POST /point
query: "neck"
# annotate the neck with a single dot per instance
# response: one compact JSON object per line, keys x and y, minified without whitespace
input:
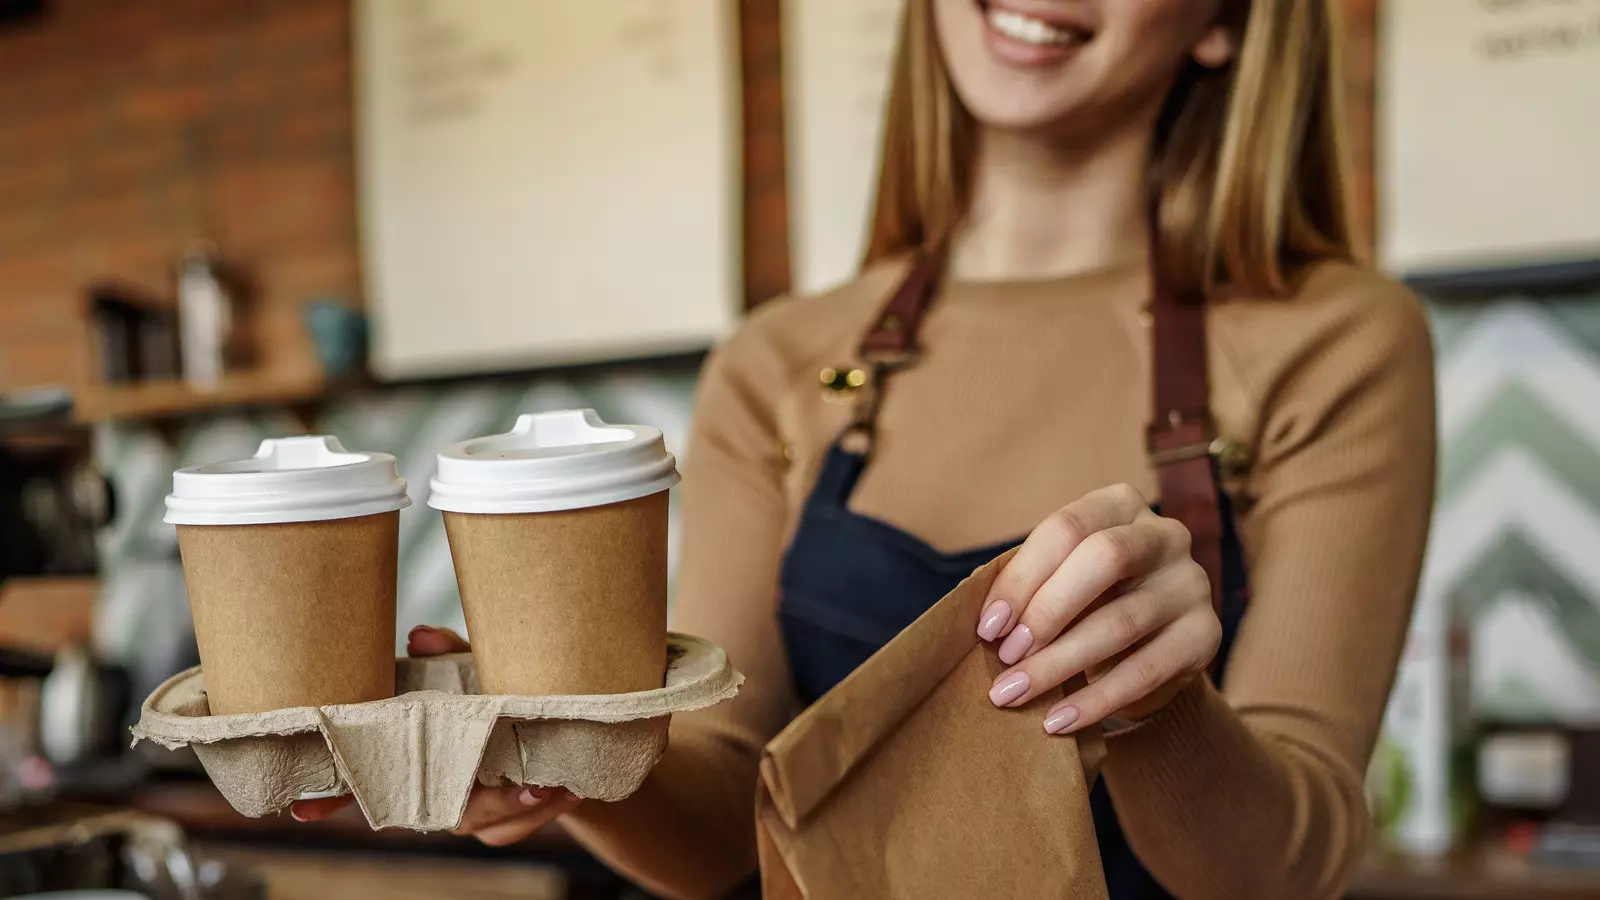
{"x":1044,"y":209}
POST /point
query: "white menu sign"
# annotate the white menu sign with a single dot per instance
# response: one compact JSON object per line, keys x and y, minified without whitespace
{"x":1489,"y":130}
{"x":546,"y":183}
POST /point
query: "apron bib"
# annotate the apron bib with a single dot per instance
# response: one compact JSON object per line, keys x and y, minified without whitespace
{"x":850,"y":583}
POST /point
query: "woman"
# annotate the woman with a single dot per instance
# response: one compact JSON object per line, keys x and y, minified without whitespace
{"x":1050,"y":170}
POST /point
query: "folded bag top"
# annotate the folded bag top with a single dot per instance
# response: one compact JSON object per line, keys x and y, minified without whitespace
{"x":905,"y":781}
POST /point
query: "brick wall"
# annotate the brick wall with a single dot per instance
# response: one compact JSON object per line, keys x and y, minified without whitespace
{"x":128,"y":128}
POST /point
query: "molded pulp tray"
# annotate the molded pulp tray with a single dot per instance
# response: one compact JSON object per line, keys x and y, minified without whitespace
{"x":411,"y":760}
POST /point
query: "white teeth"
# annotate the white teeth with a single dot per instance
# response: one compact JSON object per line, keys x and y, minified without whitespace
{"x":1028,"y":29}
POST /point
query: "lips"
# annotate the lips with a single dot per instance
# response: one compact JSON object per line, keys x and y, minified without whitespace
{"x":1026,"y":35}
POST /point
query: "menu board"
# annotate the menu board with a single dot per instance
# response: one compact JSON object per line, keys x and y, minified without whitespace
{"x":1489,"y":135}
{"x":546,"y":183}
{"x":837,"y":58}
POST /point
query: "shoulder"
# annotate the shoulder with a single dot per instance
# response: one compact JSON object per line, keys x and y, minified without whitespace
{"x":1345,"y":296}
{"x":1339,"y":320}
{"x":789,"y":334}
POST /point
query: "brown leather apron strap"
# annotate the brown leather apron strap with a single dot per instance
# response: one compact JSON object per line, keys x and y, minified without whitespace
{"x":1181,"y":430}
{"x":893,"y":335}
{"x":891,"y":343}
{"x":1180,"y":434}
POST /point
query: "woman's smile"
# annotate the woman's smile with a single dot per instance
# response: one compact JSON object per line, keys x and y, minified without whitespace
{"x":1025,"y":35}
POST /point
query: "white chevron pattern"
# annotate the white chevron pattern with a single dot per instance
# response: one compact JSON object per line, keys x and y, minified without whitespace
{"x":1512,"y":490}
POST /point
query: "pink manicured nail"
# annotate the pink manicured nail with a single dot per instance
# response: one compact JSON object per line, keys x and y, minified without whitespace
{"x":994,"y":619}
{"x":1016,"y":645}
{"x":529,"y":798}
{"x":1061,"y":719}
{"x":1009,"y":688}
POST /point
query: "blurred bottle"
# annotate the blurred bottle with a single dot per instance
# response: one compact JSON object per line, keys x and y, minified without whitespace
{"x":209,"y":317}
{"x":1421,"y":782}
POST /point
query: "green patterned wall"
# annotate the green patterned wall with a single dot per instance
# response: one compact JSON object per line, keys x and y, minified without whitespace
{"x":1516,"y":534}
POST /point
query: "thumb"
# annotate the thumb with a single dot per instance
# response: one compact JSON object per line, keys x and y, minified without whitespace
{"x":426,"y":640}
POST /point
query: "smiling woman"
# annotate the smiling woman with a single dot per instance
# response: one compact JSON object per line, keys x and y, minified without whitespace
{"x":1110,"y":242}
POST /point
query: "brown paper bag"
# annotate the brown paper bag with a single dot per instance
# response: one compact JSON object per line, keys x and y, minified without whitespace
{"x":905,"y":781}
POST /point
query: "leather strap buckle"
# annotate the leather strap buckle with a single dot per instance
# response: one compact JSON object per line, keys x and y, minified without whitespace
{"x":1159,"y":458}
{"x":1180,"y":436}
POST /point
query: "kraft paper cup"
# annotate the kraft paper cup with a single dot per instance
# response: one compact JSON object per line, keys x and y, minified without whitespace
{"x":290,"y":559}
{"x":558,"y":533}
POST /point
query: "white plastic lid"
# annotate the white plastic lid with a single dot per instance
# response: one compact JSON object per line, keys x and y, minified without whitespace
{"x":297,"y":479}
{"x":553,"y":461}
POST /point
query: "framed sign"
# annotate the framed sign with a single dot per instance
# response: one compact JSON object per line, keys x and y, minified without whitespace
{"x":1489,"y":141}
{"x":546,"y":183}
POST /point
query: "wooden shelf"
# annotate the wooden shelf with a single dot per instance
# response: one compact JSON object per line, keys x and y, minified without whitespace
{"x":202,"y":812}
{"x":1484,"y":871}
{"x":45,"y":439}
{"x":46,"y":613}
{"x":173,"y":399}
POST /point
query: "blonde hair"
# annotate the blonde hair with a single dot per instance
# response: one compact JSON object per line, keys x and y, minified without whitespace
{"x":1248,"y":172}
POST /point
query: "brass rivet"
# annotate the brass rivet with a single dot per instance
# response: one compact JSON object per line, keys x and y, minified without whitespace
{"x":891,"y":322}
{"x":840,"y":385}
{"x":788,"y":452}
{"x":1145,"y":318}
{"x":1233,"y":457}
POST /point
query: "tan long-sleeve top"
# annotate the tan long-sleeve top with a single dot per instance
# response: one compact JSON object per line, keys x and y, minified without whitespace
{"x":1030,"y":394}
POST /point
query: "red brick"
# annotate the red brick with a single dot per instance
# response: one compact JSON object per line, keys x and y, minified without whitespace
{"x":133,"y":162}
{"x":300,"y":29}
{"x":253,"y":88}
{"x":61,"y":361}
{"x":145,"y":257}
{"x":51,"y":267}
{"x":169,"y":105}
{"x":315,"y":128}
{"x":327,"y":79}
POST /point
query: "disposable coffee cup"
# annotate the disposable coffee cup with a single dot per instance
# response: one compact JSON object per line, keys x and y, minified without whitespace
{"x":558,"y":533}
{"x":290,"y":559}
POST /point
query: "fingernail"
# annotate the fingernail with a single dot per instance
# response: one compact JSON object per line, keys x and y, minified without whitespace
{"x":422,"y":629}
{"x":1061,"y":719}
{"x":295,"y":815}
{"x":1016,"y":645}
{"x":1008,"y":688}
{"x":529,"y":798}
{"x":995,"y":618}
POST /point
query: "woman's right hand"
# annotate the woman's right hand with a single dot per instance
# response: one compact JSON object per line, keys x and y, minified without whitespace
{"x":497,"y":816}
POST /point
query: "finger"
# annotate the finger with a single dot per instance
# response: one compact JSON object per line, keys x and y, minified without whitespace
{"x":426,"y":640}
{"x":521,"y":827}
{"x":318,"y":809}
{"x":1178,"y":653}
{"x":1047,"y":547}
{"x":1100,"y":636}
{"x":488,"y":805}
{"x":1102,"y":561}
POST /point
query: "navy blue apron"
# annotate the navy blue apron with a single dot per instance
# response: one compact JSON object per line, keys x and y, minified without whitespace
{"x":850,"y":583}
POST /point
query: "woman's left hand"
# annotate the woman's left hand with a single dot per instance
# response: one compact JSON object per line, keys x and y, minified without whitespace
{"x":1107,"y":587}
